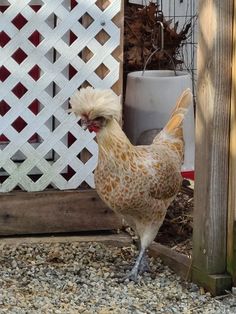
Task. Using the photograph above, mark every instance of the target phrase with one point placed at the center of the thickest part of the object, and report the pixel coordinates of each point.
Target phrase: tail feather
(176, 120)
(174, 127)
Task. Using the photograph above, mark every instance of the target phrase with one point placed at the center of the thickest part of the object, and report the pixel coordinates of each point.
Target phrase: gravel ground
(82, 278)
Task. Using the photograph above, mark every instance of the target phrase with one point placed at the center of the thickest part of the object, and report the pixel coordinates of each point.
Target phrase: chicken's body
(140, 182)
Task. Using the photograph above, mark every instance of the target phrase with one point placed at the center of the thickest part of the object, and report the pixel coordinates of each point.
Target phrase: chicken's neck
(112, 140)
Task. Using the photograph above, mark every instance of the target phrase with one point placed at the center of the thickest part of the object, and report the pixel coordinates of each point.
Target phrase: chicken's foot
(144, 265)
(138, 266)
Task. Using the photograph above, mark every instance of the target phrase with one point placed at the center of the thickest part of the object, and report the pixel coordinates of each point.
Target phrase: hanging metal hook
(155, 45)
(156, 48)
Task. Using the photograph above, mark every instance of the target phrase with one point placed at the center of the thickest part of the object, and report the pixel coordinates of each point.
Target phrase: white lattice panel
(49, 49)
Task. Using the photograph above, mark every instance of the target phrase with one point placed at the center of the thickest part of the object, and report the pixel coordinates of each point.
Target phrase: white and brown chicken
(137, 182)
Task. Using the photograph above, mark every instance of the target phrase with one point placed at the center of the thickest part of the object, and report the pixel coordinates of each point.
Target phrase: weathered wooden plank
(231, 241)
(178, 262)
(215, 284)
(212, 137)
(231, 246)
(120, 240)
(54, 211)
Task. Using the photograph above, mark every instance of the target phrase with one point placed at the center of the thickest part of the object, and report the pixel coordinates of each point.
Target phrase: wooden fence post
(231, 243)
(212, 145)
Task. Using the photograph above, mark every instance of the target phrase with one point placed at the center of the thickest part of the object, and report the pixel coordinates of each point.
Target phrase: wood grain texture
(215, 284)
(117, 239)
(178, 262)
(212, 136)
(54, 211)
(231, 241)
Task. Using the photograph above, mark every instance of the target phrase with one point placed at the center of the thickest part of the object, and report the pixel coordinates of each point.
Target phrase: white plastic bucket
(149, 101)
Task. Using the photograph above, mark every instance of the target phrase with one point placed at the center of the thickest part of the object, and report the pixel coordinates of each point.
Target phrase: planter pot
(149, 101)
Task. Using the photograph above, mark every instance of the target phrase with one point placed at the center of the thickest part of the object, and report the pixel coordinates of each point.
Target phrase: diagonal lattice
(49, 49)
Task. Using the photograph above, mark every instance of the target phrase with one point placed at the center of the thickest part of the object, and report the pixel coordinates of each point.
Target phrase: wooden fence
(215, 206)
(231, 245)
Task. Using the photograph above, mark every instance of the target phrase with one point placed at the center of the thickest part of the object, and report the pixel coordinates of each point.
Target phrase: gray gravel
(82, 278)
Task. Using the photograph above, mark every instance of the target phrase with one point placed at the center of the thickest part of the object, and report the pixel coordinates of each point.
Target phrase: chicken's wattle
(93, 128)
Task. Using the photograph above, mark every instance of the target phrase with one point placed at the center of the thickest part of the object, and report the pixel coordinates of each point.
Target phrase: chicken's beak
(84, 124)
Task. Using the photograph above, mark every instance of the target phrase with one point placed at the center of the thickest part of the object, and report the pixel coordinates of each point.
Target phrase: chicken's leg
(146, 236)
(144, 265)
(133, 274)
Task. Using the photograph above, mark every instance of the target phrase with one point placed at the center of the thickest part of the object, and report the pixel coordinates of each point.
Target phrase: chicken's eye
(100, 120)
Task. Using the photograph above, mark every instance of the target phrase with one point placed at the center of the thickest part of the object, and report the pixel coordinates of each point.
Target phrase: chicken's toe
(131, 276)
(144, 265)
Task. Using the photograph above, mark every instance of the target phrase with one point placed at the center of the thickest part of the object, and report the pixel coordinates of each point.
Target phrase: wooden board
(54, 211)
(178, 262)
(231, 241)
(120, 240)
(212, 138)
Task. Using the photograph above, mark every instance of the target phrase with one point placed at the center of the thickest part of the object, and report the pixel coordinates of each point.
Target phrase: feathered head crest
(95, 103)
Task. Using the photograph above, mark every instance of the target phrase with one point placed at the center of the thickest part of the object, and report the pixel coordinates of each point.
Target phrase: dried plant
(142, 35)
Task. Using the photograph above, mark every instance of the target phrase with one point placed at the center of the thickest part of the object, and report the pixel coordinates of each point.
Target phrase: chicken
(137, 182)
